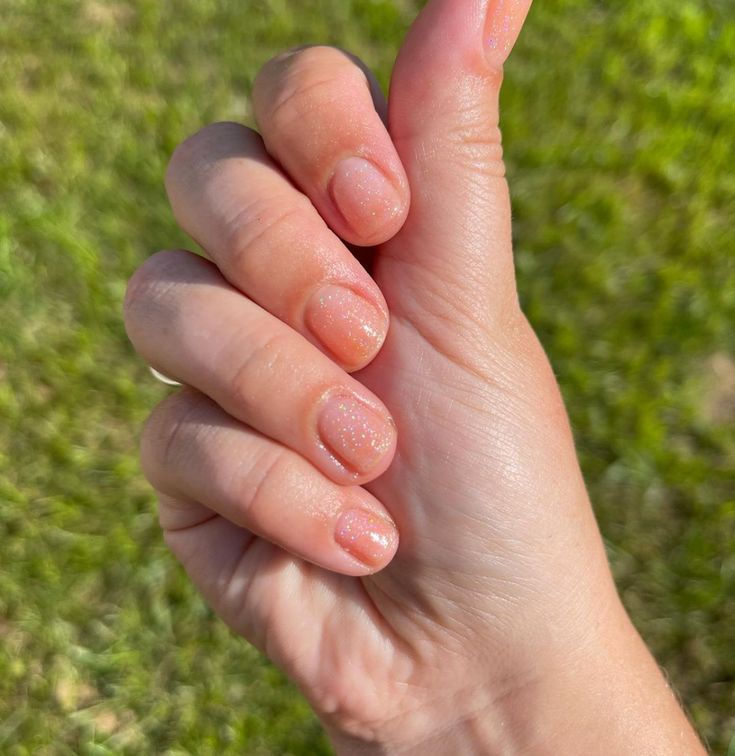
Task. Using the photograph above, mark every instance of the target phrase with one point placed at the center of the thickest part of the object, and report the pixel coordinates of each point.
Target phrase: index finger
(321, 114)
(269, 242)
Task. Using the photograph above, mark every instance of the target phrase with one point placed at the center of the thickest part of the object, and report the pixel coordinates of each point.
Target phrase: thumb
(444, 119)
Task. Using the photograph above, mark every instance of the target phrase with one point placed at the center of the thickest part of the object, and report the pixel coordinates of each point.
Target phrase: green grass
(619, 121)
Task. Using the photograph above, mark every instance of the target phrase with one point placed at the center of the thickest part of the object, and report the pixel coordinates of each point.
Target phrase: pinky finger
(196, 454)
(223, 561)
(252, 584)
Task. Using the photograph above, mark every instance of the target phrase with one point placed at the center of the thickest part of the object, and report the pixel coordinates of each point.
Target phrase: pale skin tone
(370, 474)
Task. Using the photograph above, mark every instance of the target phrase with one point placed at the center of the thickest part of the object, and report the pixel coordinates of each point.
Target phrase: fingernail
(346, 323)
(357, 435)
(366, 536)
(503, 25)
(364, 195)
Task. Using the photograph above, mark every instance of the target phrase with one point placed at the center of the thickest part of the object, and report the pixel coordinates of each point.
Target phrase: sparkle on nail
(354, 429)
(354, 434)
(351, 533)
(367, 532)
(501, 25)
(371, 202)
(336, 311)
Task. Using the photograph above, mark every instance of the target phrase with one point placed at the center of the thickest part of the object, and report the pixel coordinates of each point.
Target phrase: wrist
(605, 695)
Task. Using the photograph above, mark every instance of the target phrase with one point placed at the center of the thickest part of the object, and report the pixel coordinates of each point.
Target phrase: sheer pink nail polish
(349, 326)
(366, 536)
(504, 22)
(364, 195)
(357, 435)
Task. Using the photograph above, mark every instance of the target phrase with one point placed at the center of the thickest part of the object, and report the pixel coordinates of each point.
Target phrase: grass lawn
(619, 122)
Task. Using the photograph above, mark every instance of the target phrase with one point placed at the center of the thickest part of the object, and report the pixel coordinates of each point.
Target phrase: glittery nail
(504, 21)
(347, 324)
(357, 435)
(364, 196)
(366, 536)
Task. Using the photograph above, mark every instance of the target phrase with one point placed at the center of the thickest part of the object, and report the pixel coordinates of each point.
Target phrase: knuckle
(257, 369)
(145, 283)
(166, 439)
(257, 488)
(197, 150)
(296, 61)
(260, 227)
(283, 61)
(305, 59)
(306, 80)
(184, 155)
(477, 148)
(295, 103)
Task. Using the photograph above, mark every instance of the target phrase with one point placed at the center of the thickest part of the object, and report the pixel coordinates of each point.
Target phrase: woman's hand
(283, 481)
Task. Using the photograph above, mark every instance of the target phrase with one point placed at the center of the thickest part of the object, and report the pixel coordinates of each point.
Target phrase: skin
(494, 625)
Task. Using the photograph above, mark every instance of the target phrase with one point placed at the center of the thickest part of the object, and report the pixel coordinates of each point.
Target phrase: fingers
(444, 101)
(272, 598)
(270, 243)
(187, 322)
(193, 451)
(317, 109)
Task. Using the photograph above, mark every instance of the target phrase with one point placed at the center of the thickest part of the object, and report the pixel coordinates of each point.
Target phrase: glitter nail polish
(504, 21)
(354, 433)
(364, 196)
(366, 536)
(347, 324)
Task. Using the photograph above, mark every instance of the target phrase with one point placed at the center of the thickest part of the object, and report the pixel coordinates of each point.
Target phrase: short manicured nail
(504, 22)
(357, 435)
(366, 536)
(364, 195)
(349, 326)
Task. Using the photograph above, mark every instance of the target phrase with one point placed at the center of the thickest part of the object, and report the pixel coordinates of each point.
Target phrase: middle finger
(187, 322)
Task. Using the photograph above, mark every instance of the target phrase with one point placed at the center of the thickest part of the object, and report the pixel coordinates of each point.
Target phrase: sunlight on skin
(499, 607)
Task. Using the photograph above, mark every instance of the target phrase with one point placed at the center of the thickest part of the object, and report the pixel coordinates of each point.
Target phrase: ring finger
(319, 110)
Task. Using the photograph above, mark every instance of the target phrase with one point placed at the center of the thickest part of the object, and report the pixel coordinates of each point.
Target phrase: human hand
(496, 626)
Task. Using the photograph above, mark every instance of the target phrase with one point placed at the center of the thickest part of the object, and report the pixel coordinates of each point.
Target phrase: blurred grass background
(619, 122)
